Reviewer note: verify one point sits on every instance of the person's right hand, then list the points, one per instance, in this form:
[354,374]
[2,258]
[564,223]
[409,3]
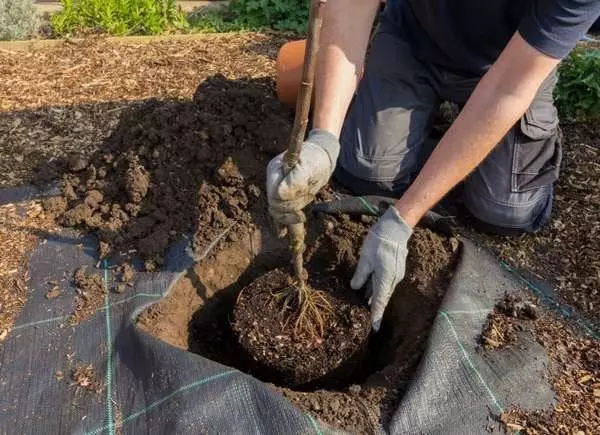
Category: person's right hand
[289,194]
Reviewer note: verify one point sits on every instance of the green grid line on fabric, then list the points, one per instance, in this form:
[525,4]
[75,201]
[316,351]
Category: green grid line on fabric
[109,357]
[159,402]
[59,318]
[368,206]
[471,364]
[315,425]
[552,301]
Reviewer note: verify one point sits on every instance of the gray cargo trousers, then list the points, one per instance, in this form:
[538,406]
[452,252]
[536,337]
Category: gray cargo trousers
[388,125]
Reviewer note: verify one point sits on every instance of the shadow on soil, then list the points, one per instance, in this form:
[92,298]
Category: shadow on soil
[396,348]
[173,168]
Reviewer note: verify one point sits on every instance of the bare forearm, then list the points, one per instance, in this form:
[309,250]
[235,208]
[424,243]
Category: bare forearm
[479,127]
[499,100]
[344,40]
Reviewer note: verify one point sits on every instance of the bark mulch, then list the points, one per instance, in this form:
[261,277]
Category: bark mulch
[68,98]
[20,227]
[566,252]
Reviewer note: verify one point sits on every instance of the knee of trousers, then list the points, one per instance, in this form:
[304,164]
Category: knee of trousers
[517,212]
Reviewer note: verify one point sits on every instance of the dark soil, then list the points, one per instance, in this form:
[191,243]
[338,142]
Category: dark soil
[267,331]
[90,295]
[174,168]
[197,316]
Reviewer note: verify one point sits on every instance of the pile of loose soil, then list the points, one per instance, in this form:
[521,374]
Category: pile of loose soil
[69,97]
[266,330]
[174,168]
[197,316]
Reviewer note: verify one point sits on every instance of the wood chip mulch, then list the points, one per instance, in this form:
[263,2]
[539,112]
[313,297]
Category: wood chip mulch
[68,98]
[20,227]
[566,252]
[574,373]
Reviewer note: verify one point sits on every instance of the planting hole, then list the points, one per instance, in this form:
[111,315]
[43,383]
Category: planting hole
[343,363]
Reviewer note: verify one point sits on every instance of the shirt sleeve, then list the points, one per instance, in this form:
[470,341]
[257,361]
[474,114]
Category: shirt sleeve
[554,26]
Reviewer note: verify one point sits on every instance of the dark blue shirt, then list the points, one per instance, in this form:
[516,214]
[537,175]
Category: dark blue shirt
[468,35]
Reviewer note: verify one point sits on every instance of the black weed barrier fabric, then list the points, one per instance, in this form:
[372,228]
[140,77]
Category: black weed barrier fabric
[148,386]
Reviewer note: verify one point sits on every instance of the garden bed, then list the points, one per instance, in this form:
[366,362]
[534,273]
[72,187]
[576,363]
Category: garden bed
[98,98]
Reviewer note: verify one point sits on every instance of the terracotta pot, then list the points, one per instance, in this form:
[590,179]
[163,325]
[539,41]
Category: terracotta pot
[289,71]
[290,61]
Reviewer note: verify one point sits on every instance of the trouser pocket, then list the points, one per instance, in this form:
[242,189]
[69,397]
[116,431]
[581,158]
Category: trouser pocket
[537,152]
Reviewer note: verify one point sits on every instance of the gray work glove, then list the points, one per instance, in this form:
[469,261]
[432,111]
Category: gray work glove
[383,259]
[288,195]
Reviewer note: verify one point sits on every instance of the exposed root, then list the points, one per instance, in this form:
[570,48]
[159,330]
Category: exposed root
[310,307]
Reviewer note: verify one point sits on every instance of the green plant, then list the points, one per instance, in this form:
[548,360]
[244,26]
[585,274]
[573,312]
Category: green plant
[215,19]
[279,14]
[286,15]
[118,17]
[577,94]
[18,19]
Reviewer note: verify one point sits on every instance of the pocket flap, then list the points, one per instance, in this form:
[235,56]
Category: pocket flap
[539,122]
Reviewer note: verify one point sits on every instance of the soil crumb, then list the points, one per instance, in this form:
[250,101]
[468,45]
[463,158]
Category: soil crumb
[85,377]
[267,332]
[90,295]
[506,320]
[125,275]
[175,168]
[53,293]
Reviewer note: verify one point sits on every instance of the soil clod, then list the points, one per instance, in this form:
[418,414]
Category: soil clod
[90,295]
[125,273]
[85,377]
[53,293]
[506,320]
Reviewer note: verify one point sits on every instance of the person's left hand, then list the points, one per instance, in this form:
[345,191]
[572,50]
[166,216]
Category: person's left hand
[383,259]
